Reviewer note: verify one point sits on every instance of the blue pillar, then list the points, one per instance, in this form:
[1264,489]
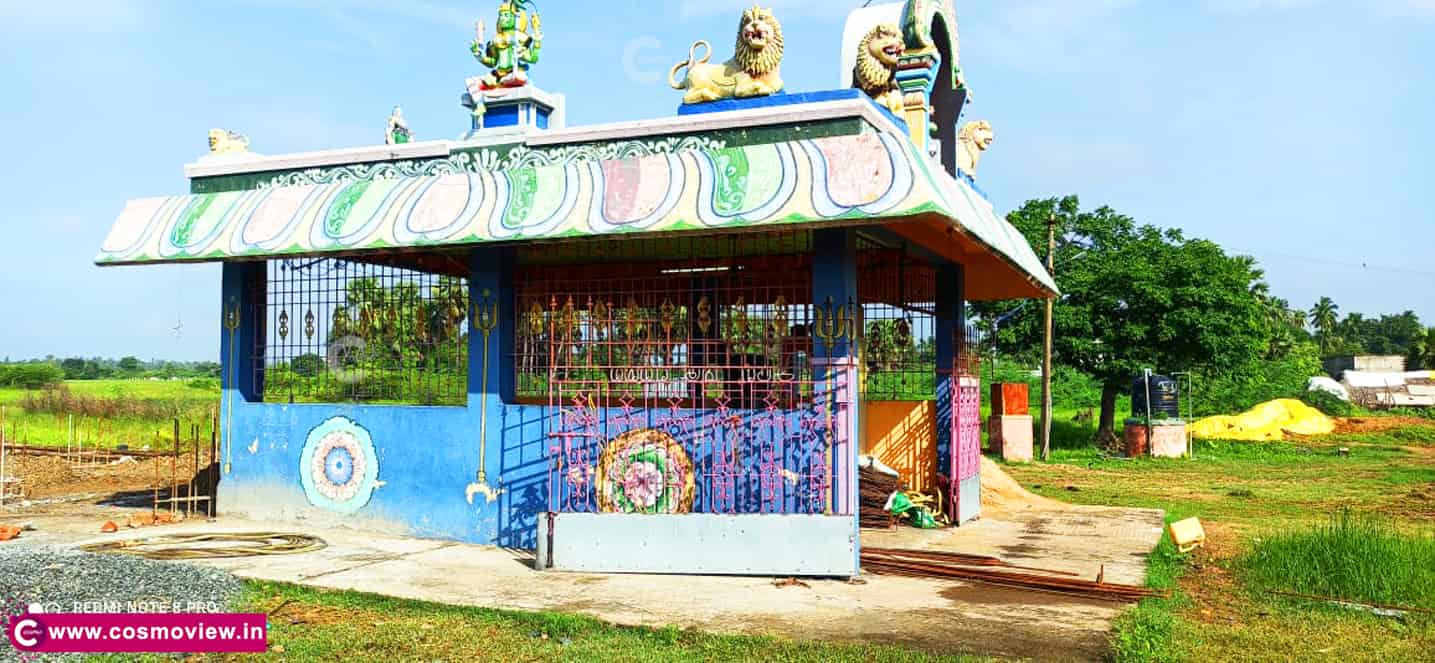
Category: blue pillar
[242,301]
[242,307]
[490,381]
[835,364]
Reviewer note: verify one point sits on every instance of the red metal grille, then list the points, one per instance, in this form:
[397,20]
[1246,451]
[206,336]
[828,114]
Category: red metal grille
[686,384]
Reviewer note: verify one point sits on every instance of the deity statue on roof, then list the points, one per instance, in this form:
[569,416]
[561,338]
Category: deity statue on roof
[517,44]
[397,132]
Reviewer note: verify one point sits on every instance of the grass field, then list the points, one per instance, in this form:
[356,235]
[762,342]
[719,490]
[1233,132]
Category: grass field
[1296,516]
[132,411]
[315,625]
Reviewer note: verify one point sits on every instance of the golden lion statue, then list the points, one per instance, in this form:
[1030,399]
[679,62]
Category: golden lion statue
[226,142]
[755,69]
[876,70]
[973,139]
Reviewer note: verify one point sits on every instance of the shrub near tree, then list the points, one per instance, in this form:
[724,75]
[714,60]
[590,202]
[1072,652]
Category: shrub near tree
[31,376]
[1136,297]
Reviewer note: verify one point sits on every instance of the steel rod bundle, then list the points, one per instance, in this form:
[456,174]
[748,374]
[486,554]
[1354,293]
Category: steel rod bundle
[954,558]
[956,566]
[874,488]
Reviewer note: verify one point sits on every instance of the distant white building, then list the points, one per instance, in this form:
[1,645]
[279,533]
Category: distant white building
[1337,366]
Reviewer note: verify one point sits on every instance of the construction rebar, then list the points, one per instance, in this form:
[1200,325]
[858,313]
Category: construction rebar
[959,559]
[955,566]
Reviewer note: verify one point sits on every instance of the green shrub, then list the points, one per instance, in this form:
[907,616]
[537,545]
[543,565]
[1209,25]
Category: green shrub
[1354,557]
[1417,412]
[1329,404]
[31,376]
[1242,387]
[307,365]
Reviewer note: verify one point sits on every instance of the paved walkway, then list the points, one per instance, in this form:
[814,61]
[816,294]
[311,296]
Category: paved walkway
[944,616]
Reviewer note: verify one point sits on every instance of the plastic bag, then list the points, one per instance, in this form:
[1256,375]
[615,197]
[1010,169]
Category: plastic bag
[898,504]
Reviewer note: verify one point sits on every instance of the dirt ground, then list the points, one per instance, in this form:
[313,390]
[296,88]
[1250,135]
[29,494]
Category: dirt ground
[46,477]
[1379,424]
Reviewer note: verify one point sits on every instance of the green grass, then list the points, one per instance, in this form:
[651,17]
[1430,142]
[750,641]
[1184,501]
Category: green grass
[1147,632]
[1418,436]
[1355,557]
[145,407]
[318,625]
[1273,513]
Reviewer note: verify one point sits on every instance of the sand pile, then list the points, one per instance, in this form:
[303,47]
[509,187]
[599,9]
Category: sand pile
[1000,492]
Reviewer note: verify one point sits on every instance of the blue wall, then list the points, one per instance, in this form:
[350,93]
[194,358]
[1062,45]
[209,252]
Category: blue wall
[429,457]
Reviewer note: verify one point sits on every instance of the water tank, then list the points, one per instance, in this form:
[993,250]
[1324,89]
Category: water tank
[1165,398]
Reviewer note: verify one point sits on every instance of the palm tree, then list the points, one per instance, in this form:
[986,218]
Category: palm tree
[1323,319]
[1422,352]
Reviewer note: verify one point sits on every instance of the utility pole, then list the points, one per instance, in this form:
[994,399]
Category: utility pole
[1046,350]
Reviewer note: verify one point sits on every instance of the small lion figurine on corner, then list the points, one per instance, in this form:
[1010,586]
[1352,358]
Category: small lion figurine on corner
[755,69]
[974,138]
[876,69]
[222,141]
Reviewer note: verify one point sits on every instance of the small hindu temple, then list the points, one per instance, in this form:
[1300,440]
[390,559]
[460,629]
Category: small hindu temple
[662,345]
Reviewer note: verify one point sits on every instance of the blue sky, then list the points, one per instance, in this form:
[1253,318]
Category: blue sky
[1298,131]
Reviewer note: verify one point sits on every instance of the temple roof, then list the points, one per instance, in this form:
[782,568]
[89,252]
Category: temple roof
[813,164]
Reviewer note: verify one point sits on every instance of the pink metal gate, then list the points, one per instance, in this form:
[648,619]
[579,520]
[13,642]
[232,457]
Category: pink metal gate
[966,438]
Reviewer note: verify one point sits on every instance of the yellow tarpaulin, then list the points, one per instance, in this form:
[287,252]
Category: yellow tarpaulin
[1267,421]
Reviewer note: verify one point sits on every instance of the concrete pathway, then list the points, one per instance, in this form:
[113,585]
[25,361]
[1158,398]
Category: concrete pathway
[946,616]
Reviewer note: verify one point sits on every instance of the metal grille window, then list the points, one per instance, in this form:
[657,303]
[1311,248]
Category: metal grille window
[678,376]
[374,331]
[899,350]
[680,333]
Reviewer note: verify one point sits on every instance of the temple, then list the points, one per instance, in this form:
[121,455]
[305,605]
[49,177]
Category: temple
[650,346]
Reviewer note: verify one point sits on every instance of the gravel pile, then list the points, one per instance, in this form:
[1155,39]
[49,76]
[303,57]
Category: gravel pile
[65,580]
[60,578]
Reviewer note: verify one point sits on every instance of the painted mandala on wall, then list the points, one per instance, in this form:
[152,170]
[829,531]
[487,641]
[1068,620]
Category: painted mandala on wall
[645,471]
[338,467]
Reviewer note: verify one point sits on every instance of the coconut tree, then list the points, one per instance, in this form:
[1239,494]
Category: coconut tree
[1323,317]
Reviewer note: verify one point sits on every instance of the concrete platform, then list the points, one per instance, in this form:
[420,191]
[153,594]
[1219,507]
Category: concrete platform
[945,616]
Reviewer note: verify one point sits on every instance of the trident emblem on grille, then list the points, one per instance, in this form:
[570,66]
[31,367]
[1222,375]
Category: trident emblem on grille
[833,322]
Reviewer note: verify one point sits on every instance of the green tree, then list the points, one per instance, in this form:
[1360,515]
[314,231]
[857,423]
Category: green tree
[1135,297]
[1385,335]
[33,375]
[74,368]
[130,365]
[1421,355]
[1323,317]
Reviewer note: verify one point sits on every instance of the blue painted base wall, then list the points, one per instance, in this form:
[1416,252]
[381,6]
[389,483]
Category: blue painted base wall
[427,458]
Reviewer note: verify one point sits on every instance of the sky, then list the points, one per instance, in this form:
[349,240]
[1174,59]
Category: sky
[1296,131]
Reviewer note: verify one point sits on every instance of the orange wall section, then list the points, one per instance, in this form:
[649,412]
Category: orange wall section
[901,434]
